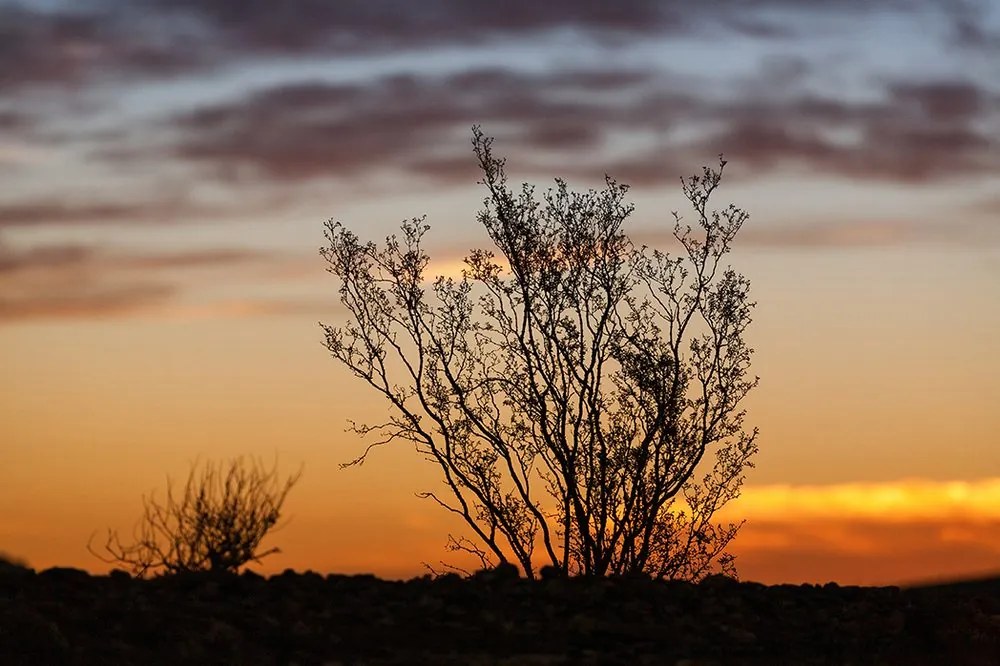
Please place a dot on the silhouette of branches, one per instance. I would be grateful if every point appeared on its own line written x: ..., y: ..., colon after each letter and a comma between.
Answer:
x: 217, y: 523
x: 568, y: 388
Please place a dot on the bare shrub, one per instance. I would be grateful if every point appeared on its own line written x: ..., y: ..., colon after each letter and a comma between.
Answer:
x: 570, y: 387
x: 216, y: 524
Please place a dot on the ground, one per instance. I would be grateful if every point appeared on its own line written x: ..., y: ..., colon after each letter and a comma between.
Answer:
x: 66, y: 616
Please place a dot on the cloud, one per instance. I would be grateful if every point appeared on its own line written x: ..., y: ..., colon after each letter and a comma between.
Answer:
x: 574, y: 119
x: 877, y: 233
x: 157, y: 209
x: 112, y: 40
x: 76, y: 281
x: 311, y: 26
x: 867, y: 552
x: 35, y: 213
x: 942, y: 100
x: 18, y: 147
x: 316, y: 129
x: 69, y: 47
x: 67, y: 44
x: 905, y: 500
x: 971, y: 27
x: 639, y: 123
x: 568, y: 120
x: 13, y: 120
x: 869, y: 533
x: 918, y: 132
x: 298, y: 26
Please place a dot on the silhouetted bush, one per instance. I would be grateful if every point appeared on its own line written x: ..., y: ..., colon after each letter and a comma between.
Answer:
x: 572, y: 387
x: 216, y: 524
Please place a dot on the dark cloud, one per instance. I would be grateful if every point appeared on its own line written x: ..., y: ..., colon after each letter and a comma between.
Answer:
x: 971, y: 29
x: 765, y: 143
x: 69, y: 281
x: 319, y: 130
x: 919, y: 154
x: 114, y: 39
x: 893, y: 153
x: 43, y: 258
x: 60, y: 281
x: 72, y: 46
x: 297, y: 26
x: 35, y: 213
x: 84, y: 258
x: 753, y: 26
x: 311, y: 26
x: 943, y: 101
x: 569, y: 122
x: 14, y: 121
x: 918, y: 132
x: 156, y: 210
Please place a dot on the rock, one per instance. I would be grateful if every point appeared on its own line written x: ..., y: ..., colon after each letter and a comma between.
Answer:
x: 64, y: 574
x: 501, y: 573
x: 718, y: 581
x: 548, y: 572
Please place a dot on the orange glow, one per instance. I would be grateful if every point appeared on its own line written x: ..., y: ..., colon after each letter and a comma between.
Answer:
x: 900, y: 501
x: 869, y: 533
x: 94, y: 413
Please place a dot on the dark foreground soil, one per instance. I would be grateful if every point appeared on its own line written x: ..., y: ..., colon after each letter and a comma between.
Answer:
x: 65, y: 616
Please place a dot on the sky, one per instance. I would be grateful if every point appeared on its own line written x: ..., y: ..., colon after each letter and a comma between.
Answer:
x: 167, y: 166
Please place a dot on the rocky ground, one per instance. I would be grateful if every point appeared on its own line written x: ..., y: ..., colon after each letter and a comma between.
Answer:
x: 65, y: 616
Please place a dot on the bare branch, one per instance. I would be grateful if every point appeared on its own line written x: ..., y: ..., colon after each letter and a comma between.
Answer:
x: 569, y: 386
x: 216, y: 524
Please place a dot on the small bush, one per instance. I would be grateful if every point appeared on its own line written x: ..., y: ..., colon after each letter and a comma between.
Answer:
x: 216, y: 524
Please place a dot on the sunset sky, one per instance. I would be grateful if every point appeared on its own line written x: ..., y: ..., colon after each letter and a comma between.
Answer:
x: 166, y: 168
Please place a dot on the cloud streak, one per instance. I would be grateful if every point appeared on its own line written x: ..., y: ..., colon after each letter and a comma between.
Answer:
x: 48, y: 212
x: 107, y: 40
x: 574, y: 121
x: 869, y: 533
x: 850, y: 234
x: 905, y: 500
x: 69, y: 47
x: 157, y: 209
x: 315, y: 129
x: 81, y: 282
x: 919, y: 132
x: 68, y: 44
